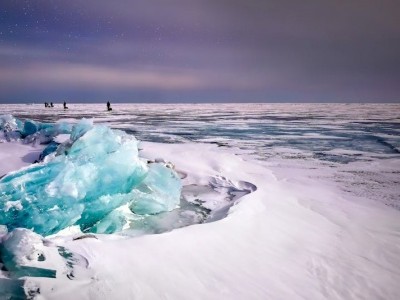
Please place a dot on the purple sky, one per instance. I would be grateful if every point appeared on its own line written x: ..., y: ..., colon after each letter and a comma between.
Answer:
x: 200, y: 51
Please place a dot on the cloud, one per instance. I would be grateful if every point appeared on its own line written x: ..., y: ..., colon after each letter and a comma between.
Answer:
x: 106, y: 77
x: 91, y: 76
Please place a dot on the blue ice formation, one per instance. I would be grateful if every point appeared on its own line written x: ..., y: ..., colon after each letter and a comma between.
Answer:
x: 86, y: 181
x: 31, y: 131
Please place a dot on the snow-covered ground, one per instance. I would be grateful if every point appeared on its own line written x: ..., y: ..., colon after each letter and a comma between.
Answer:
x: 320, y: 221
x: 16, y: 155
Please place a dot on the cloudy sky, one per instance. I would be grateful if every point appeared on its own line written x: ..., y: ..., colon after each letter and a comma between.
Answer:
x: 200, y: 51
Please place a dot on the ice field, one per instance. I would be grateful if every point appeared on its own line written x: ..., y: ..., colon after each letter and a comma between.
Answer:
x: 231, y: 201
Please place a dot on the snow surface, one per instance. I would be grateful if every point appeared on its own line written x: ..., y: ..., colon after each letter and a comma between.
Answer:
x: 15, y: 155
x: 309, y: 229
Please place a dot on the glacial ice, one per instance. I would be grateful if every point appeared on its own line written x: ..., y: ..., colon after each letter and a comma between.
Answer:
x: 85, y: 181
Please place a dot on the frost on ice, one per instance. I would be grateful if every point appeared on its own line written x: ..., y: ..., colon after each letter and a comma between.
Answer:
x: 85, y: 181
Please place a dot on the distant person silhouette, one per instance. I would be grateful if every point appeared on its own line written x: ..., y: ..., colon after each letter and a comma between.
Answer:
x: 51, y: 104
x: 46, y: 104
x: 65, y: 105
x: 109, y: 106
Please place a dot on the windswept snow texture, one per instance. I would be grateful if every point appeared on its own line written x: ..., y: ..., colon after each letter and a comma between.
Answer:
x: 85, y: 182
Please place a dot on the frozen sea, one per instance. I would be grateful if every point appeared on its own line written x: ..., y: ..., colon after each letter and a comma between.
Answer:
x: 312, y: 206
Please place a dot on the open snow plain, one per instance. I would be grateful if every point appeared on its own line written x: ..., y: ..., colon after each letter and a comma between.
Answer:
x: 279, y: 201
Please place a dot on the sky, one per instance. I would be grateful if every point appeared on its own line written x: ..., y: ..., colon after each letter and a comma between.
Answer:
x: 200, y: 51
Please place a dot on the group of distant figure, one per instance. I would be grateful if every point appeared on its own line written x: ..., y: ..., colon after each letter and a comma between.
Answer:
x: 48, y: 104
x: 66, y: 107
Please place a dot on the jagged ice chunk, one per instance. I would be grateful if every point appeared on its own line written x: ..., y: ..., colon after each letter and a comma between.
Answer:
x: 87, y: 181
